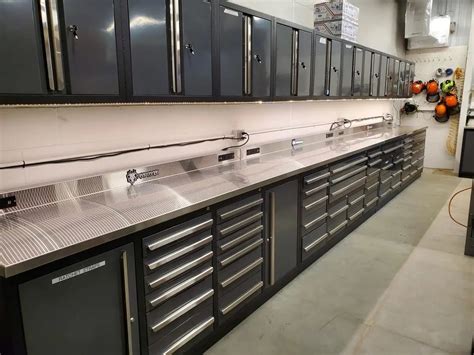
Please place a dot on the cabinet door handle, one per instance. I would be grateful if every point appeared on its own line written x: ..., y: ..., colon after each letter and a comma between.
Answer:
x: 73, y: 29
x: 47, y: 44
x: 56, y: 40
x: 128, y: 312
x: 272, y: 237
x: 191, y: 48
x: 175, y: 47
x: 303, y: 65
x: 258, y: 59
x: 247, y: 55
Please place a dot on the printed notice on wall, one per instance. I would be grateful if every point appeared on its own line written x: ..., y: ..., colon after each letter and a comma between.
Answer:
x: 77, y: 272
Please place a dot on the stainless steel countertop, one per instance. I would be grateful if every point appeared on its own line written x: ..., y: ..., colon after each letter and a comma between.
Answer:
x: 36, y: 236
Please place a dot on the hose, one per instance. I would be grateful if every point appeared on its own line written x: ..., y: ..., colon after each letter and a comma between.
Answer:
x: 449, y: 206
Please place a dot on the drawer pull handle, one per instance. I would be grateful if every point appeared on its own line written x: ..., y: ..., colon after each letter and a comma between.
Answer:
x: 375, y: 155
x: 316, y: 189
x: 408, y: 146
x: 385, y: 193
x: 348, y: 175
x: 316, y: 178
x: 181, y: 287
x: 408, y: 167
x: 238, y: 210
x: 375, y: 172
x: 242, y: 272
x: 371, y: 187
x: 179, y: 235
x: 176, y: 254
x: 242, y: 298
x: 189, y: 336
x: 371, y: 202
x: 171, y: 317
x: 406, y: 159
x: 241, y: 223
x: 313, y: 222
x: 357, y: 200
x: 395, y: 174
x: 386, y: 180
x: 348, y: 187
x: 357, y: 214
x: 398, y: 161
x: 393, y: 149
x: 315, y: 243
x: 396, y: 185
x: 386, y: 167
x: 350, y: 165
x: 315, y: 203
x: 241, y: 239
x: 180, y: 270
x: 339, y: 211
x: 241, y: 253
x: 378, y: 161
x: 338, y: 228
x: 406, y: 178
x: 407, y: 152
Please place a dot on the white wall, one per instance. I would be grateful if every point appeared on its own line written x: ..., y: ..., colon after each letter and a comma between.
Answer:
x: 43, y: 133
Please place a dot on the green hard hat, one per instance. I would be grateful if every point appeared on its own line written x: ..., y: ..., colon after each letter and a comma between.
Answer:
x: 447, y: 86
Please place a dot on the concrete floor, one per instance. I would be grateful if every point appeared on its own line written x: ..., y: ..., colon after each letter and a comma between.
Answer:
x: 399, y: 284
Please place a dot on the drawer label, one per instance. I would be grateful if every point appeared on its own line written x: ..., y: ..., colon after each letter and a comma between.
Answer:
x: 77, y: 272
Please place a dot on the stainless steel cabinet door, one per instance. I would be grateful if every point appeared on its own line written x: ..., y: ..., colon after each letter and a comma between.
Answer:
x: 20, y: 48
x: 335, y: 71
x: 408, y: 79
x: 358, y: 64
x: 347, y: 69
x: 86, y: 308
x: 231, y: 47
x: 396, y: 77
x: 284, y: 52
x: 92, y: 54
x: 304, y: 63
x: 149, y: 47
x: 320, y: 65
x: 366, y: 73
x: 261, y: 56
x: 375, y: 75
x: 383, y: 76
x: 401, y: 79
x: 196, y: 47
x: 282, y: 212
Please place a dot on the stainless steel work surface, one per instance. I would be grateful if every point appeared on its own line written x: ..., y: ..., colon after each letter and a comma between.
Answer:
x: 35, y: 235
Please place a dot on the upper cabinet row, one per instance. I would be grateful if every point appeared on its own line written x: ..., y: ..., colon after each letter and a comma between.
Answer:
x: 67, y: 51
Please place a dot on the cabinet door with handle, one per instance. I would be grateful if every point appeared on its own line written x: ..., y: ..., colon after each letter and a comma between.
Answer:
x: 87, y: 307
x: 261, y: 56
x: 366, y: 73
x: 375, y: 75
x: 335, y: 68
x: 347, y: 69
x: 401, y: 79
x: 304, y: 62
x: 282, y: 217
x: 357, y: 74
x: 320, y: 65
x: 20, y: 48
x: 91, y: 47
x: 383, y: 76
x: 284, y: 60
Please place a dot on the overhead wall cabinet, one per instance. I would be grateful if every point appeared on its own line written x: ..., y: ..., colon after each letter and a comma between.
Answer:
x: 64, y: 51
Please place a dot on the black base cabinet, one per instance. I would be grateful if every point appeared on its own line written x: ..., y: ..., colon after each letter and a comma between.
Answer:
x: 179, y: 287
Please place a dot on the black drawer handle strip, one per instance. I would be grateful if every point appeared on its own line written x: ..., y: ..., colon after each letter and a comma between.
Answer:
x: 311, y: 205
x: 241, y: 223
x: 338, y: 228
x: 242, y: 298
x: 241, y: 253
x: 178, y: 253
x: 171, y: 317
x: 339, y: 211
x: 348, y: 187
x: 238, y: 210
x: 189, y: 336
x: 313, y: 222
x: 180, y: 270
x: 179, y: 235
x: 348, y: 175
x: 242, y: 238
x: 316, y: 189
x: 242, y: 272
x: 315, y: 243
x: 350, y: 165
x: 181, y: 287
x: 316, y: 178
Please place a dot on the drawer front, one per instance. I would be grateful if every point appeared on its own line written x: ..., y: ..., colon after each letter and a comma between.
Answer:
x: 345, y: 187
x: 371, y: 195
x: 240, y: 267
x: 314, y: 241
x: 393, y: 147
x: 355, y: 211
x: 313, y: 220
x: 371, y: 203
x: 346, y: 165
x: 315, y: 179
x: 243, y: 235
x: 356, y: 196
x: 385, y: 186
x: 337, y: 225
x: 374, y: 154
x: 254, y: 215
x: 239, y: 208
x: 371, y: 186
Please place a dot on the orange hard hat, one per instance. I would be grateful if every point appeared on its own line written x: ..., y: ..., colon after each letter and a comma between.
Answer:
x: 417, y: 87
x: 441, y: 110
x: 451, y: 100
x: 432, y: 87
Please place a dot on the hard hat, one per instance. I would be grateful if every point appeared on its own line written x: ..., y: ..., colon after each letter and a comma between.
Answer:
x: 451, y: 100
x: 432, y: 87
x: 441, y: 113
x: 447, y: 86
x: 417, y: 87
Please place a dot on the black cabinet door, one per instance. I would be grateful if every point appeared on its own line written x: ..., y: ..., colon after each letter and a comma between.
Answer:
x: 196, y: 47
x: 284, y: 55
x: 375, y: 75
x: 261, y: 56
x: 320, y: 65
x: 335, y: 68
x: 21, y: 50
x: 231, y: 52
x: 304, y: 62
x: 347, y: 69
x: 366, y: 73
x: 357, y: 74
x: 149, y: 47
x: 282, y: 212
x: 383, y: 76
x: 92, y: 54
x: 86, y: 308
